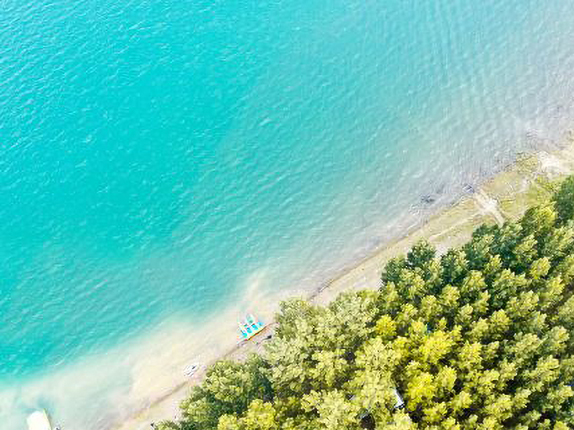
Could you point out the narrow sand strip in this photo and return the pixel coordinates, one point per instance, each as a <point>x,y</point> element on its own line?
<point>504,197</point>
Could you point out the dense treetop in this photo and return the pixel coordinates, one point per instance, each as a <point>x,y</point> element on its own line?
<point>477,338</point>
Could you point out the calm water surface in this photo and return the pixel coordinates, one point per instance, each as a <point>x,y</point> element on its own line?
<point>156,155</point>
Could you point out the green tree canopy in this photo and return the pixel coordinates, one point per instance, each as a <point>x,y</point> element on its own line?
<point>479,338</point>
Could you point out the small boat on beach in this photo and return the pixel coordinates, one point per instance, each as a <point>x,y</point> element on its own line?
<point>250,326</point>
<point>39,420</point>
<point>190,370</point>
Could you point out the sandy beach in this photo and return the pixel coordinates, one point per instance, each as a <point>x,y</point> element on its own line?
<point>504,197</point>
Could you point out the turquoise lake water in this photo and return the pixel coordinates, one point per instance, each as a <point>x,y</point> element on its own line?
<point>155,155</point>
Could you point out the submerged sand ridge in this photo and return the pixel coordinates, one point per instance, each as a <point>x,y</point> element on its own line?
<point>506,196</point>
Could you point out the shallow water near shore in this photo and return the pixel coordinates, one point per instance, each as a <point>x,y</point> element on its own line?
<point>166,166</point>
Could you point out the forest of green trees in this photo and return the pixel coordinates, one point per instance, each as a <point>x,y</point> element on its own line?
<point>477,338</point>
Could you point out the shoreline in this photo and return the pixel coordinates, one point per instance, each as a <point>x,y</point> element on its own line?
<point>501,197</point>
